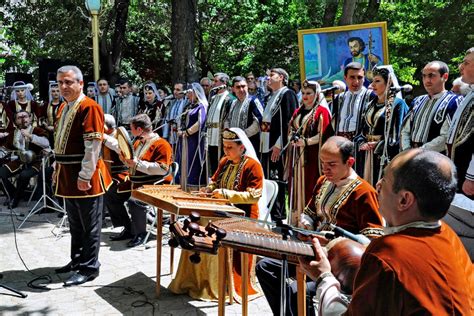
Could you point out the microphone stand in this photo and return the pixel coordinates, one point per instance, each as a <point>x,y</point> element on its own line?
<point>20,294</point>
<point>285,232</point>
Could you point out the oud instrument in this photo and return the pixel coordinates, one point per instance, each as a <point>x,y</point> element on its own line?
<point>248,236</point>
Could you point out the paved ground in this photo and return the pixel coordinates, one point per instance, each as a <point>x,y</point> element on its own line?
<point>126,284</point>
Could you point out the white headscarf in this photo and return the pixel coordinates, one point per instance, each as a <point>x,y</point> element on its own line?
<point>200,94</point>
<point>250,151</point>
<point>18,85</point>
<point>391,78</point>
<point>152,85</point>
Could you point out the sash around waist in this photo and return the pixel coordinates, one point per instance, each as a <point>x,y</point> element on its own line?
<point>147,178</point>
<point>69,159</point>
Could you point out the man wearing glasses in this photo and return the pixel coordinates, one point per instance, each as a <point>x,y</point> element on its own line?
<point>430,116</point>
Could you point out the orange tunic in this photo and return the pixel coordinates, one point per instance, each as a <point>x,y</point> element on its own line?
<point>355,209</point>
<point>251,177</point>
<point>415,271</point>
<point>157,150</point>
<point>84,121</point>
<point>116,167</point>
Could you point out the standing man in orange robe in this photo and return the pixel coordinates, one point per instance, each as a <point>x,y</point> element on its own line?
<point>81,176</point>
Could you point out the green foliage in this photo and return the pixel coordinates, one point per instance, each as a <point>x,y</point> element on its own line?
<point>234,36</point>
<point>422,31</point>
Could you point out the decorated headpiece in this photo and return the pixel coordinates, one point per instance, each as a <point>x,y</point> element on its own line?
<point>21,85</point>
<point>152,86</point>
<point>312,85</point>
<point>386,72</point>
<point>230,136</point>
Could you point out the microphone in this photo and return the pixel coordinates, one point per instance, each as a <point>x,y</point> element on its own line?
<point>338,231</point>
<point>219,87</point>
<point>404,88</point>
<point>331,89</point>
<point>184,92</point>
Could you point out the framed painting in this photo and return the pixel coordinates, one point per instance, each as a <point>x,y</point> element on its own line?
<point>326,51</point>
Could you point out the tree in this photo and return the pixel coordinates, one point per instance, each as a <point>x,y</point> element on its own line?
<point>183,26</point>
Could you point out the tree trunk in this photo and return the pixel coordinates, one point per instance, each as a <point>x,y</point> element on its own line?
<point>330,13</point>
<point>183,26</point>
<point>347,12</point>
<point>371,12</point>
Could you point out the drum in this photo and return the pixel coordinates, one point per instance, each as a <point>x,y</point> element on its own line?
<point>124,143</point>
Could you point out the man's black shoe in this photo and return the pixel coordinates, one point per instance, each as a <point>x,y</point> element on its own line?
<point>67,268</point>
<point>125,234</point>
<point>137,240</point>
<point>81,277</point>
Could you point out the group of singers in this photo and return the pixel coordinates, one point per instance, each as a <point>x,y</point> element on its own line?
<point>363,161</point>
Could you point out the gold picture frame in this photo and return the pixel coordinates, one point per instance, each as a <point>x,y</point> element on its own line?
<point>325,51</point>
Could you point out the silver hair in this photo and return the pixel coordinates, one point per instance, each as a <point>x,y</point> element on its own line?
<point>77,72</point>
<point>223,77</point>
<point>470,51</point>
<point>109,121</point>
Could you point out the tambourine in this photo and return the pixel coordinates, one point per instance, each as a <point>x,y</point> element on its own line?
<point>124,142</point>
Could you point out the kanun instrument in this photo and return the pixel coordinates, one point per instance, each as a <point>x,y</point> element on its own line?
<point>172,199</point>
<point>248,236</point>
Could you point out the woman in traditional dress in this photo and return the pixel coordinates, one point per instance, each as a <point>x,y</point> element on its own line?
<point>191,154</point>
<point>382,124</point>
<point>238,178</point>
<point>151,105</point>
<point>310,127</point>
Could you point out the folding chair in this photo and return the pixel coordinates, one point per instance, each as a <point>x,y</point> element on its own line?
<point>271,190</point>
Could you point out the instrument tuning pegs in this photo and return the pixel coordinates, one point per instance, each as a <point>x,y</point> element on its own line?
<point>210,230</point>
<point>220,234</point>
<point>173,243</point>
<point>195,258</point>
<point>195,217</point>
<point>194,229</point>
<point>186,223</point>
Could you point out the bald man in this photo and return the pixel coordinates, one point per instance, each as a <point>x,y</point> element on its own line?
<point>340,197</point>
<point>420,265</point>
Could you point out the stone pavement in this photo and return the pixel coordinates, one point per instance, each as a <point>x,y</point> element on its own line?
<point>125,286</point>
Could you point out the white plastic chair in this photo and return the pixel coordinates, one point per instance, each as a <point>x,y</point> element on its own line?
<point>271,191</point>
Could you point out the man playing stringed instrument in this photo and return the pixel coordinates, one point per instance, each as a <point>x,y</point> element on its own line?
<point>340,198</point>
<point>420,266</point>
<point>152,157</point>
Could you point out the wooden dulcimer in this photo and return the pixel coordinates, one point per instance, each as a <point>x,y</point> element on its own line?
<point>248,236</point>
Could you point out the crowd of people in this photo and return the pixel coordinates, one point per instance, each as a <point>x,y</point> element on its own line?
<point>360,158</point>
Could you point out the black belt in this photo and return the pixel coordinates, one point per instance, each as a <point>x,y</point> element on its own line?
<point>118,169</point>
<point>145,178</point>
<point>69,159</point>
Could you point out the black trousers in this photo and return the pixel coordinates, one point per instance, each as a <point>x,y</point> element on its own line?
<point>137,211</point>
<point>213,157</point>
<point>115,205</point>
<point>85,222</point>
<point>269,276</point>
<point>275,171</point>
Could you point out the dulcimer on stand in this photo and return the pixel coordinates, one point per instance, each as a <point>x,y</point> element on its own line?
<point>248,236</point>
